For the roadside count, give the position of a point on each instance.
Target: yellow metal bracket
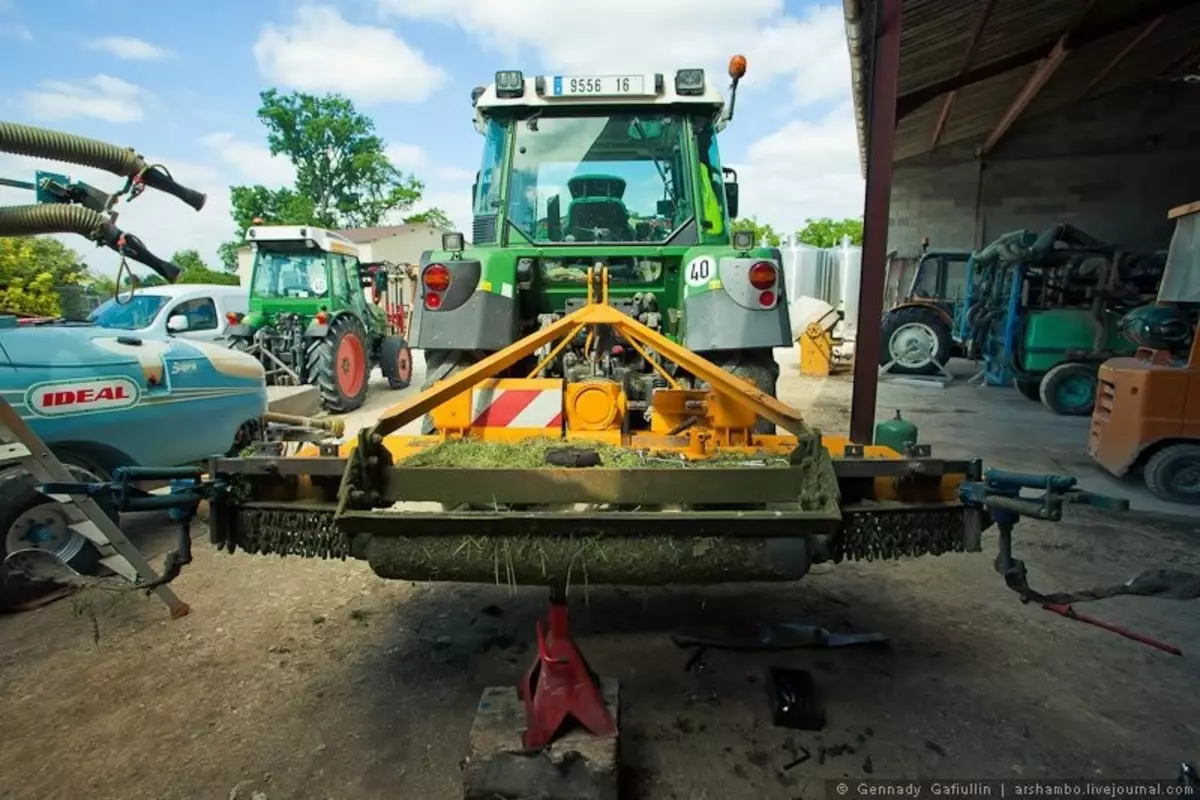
(597, 311)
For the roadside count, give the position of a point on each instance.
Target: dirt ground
(309, 679)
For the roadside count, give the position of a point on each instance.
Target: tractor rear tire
(756, 367)
(338, 365)
(1070, 389)
(917, 338)
(1173, 474)
(395, 362)
(439, 365)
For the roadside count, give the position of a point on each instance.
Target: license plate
(598, 85)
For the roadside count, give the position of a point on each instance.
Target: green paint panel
(1050, 334)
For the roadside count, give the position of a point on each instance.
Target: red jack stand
(559, 683)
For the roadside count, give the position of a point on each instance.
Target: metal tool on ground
(82, 512)
(1147, 415)
(310, 321)
(1070, 613)
(768, 636)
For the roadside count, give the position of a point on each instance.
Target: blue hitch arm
(187, 489)
(1000, 494)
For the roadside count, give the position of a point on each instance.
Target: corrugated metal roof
(936, 34)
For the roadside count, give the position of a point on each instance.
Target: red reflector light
(763, 275)
(436, 278)
(322, 318)
(767, 299)
(433, 301)
(232, 317)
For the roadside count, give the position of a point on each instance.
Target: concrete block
(299, 401)
(577, 766)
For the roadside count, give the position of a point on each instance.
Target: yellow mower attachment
(537, 477)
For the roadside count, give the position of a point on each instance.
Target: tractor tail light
(763, 275)
(433, 301)
(233, 317)
(322, 318)
(436, 278)
(766, 299)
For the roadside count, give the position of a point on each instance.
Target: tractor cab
(310, 320)
(616, 177)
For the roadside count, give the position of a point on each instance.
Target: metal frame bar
(1119, 57)
(881, 144)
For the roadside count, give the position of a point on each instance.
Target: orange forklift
(1147, 413)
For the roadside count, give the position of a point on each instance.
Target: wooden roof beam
(972, 46)
(1041, 74)
(1119, 57)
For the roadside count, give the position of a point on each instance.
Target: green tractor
(310, 321)
(619, 171)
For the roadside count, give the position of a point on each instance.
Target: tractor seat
(599, 212)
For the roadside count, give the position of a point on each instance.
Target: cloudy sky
(180, 83)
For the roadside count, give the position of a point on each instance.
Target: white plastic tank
(850, 273)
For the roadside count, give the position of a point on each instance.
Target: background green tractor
(621, 171)
(310, 321)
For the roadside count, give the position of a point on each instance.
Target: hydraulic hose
(27, 140)
(55, 218)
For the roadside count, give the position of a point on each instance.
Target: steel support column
(881, 144)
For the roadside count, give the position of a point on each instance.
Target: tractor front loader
(309, 320)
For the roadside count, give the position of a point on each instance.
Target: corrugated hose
(58, 218)
(27, 140)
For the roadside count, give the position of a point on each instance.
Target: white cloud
(805, 169)
(129, 48)
(407, 157)
(596, 35)
(163, 223)
(413, 159)
(322, 52)
(101, 97)
(17, 32)
(253, 161)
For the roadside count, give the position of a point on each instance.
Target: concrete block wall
(1112, 166)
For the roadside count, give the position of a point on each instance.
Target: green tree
(760, 229)
(434, 216)
(826, 232)
(194, 270)
(42, 276)
(341, 164)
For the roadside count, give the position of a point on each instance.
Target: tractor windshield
(292, 273)
(619, 178)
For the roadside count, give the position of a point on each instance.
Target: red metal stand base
(559, 685)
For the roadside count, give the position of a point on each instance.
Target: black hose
(56, 218)
(26, 140)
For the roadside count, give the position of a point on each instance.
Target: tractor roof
(325, 240)
(574, 91)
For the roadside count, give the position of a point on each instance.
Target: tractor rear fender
(722, 311)
(471, 314)
(934, 307)
(316, 330)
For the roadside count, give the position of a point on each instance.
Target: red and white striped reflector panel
(501, 407)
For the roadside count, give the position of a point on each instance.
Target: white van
(191, 311)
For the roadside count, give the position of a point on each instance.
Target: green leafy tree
(194, 270)
(41, 276)
(341, 164)
(826, 232)
(434, 216)
(760, 229)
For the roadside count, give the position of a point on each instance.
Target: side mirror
(378, 285)
(475, 191)
(731, 199)
(177, 323)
